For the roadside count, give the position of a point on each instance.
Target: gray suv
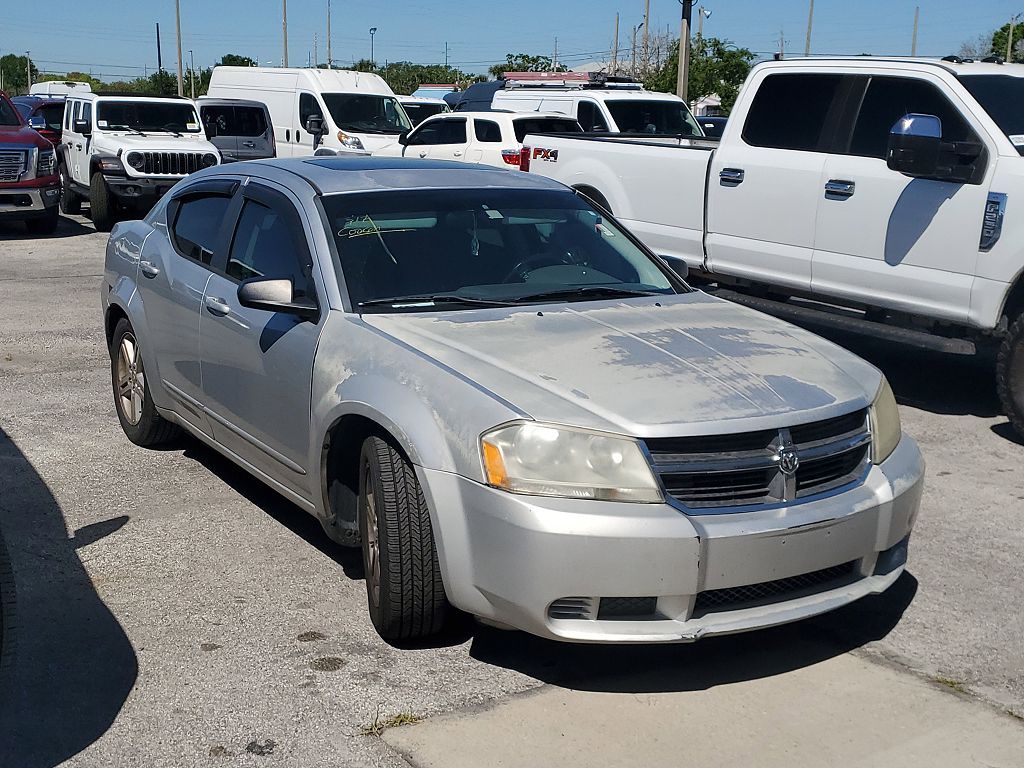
(507, 401)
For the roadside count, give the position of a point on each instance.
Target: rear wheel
(45, 225)
(404, 590)
(132, 401)
(1010, 374)
(102, 205)
(70, 202)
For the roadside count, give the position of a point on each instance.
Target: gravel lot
(166, 609)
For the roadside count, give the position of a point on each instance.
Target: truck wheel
(403, 580)
(1010, 374)
(132, 400)
(102, 204)
(46, 225)
(70, 202)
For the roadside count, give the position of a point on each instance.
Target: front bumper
(543, 565)
(20, 203)
(140, 188)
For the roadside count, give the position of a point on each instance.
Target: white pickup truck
(885, 185)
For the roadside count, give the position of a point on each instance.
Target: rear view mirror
(274, 295)
(914, 145)
(83, 127)
(36, 122)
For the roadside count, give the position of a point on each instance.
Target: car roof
(330, 175)
(493, 114)
(955, 67)
(204, 101)
(420, 100)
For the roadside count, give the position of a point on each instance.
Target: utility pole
(446, 54)
(810, 23)
(554, 59)
(683, 74)
(316, 55)
(159, 58)
(782, 44)
(917, 17)
(28, 70)
(615, 47)
(373, 31)
(646, 62)
(1009, 38)
(192, 72)
(329, 64)
(635, 30)
(702, 13)
(284, 31)
(177, 23)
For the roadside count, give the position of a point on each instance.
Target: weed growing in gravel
(378, 726)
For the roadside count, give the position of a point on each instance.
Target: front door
(889, 240)
(439, 139)
(257, 365)
(302, 140)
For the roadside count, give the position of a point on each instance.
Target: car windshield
(367, 113)
(170, 116)
(653, 116)
(8, 114)
(1002, 96)
(526, 125)
(53, 114)
(422, 250)
(419, 112)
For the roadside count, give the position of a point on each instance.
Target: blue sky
(116, 37)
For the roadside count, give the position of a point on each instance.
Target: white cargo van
(359, 110)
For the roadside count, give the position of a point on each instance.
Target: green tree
(999, 41)
(15, 74)
(716, 67)
(524, 62)
(235, 60)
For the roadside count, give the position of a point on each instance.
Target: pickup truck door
(889, 240)
(766, 179)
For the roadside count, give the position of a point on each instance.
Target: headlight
(885, 424)
(46, 165)
(352, 142)
(209, 160)
(136, 160)
(544, 460)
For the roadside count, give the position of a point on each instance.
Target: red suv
(29, 184)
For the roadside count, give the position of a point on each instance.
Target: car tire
(102, 205)
(70, 201)
(132, 399)
(45, 225)
(404, 590)
(1010, 374)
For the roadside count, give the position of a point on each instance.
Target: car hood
(21, 134)
(153, 142)
(682, 365)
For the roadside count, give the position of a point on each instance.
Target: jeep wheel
(1010, 374)
(403, 580)
(132, 400)
(103, 206)
(45, 225)
(70, 202)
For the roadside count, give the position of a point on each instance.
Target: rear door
(889, 240)
(253, 132)
(219, 123)
(487, 146)
(765, 186)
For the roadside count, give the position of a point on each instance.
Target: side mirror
(36, 122)
(915, 143)
(677, 265)
(315, 126)
(83, 127)
(403, 138)
(274, 295)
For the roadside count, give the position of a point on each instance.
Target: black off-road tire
(1010, 374)
(151, 429)
(70, 201)
(102, 205)
(46, 225)
(410, 603)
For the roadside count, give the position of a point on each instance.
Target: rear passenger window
(487, 131)
(265, 247)
(87, 112)
(588, 114)
(890, 98)
(790, 111)
(196, 225)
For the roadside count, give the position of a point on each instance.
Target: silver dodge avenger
(512, 406)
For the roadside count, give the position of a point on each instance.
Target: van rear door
(219, 123)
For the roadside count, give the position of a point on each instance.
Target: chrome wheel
(371, 541)
(131, 381)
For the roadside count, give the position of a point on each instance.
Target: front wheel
(102, 205)
(404, 590)
(132, 400)
(1010, 374)
(70, 202)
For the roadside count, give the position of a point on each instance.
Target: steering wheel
(527, 265)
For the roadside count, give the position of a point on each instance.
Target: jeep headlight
(352, 142)
(886, 430)
(136, 160)
(209, 160)
(545, 460)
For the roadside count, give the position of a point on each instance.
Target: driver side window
(264, 246)
(308, 106)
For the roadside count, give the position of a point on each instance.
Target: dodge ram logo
(789, 460)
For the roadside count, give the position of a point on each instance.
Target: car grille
(732, 598)
(171, 163)
(12, 165)
(766, 466)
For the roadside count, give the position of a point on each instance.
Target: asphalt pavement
(162, 608)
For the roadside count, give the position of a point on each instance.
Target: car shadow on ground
(16, 230)
(66, 664)
(699, 666)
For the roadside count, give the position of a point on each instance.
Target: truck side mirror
(403, 138)
(914, 145)
(315, 126)
(36, 122)
(83, 127)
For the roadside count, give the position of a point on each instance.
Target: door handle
(149, 269)
(458, 154)
(249, 144)
(838, 188)
(731, 176)
(423, 154)
(78, 146)
(217, 306)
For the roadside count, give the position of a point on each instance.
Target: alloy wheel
(131, 381)
(371, 541)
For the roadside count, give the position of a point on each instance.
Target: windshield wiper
(163, 130)
(125, 128)
(586, 291)
(439, 298)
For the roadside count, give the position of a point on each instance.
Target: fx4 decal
(549, 155)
